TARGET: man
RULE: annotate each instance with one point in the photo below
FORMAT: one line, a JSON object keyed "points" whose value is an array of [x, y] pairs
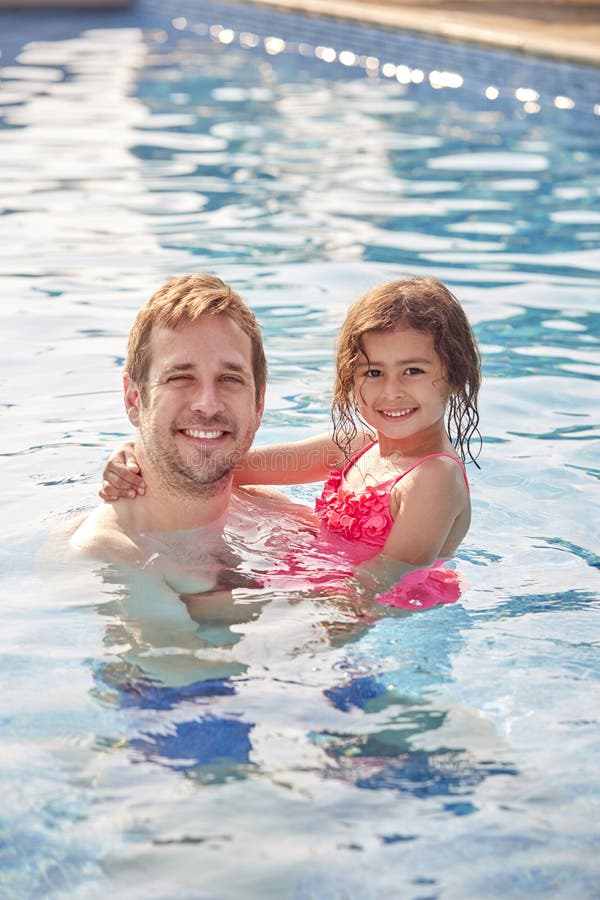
{"points": [[194, 389]]}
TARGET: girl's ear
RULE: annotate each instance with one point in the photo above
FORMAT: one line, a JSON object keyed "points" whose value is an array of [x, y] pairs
{"points": [[450, 386], [133, 400]]}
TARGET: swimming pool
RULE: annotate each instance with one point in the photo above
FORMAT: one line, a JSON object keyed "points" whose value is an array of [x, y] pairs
{"points": [[289, 753]]}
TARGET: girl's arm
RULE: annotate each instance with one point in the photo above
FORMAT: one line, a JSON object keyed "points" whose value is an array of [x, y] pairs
{"points": [[122, 476], [294, 463], [297, 462], [432, 516]]}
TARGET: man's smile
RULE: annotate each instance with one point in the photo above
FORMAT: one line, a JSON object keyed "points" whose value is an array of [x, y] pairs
{"points": [[202, 435]]}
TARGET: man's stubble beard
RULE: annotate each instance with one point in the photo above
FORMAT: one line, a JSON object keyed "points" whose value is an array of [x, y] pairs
{"points": [[199, 473]]}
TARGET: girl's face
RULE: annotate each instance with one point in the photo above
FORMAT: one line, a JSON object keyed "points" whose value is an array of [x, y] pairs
{"points": [[400, 384]]}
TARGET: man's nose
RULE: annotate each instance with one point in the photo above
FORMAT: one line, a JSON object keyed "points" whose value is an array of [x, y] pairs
{"points": [[207, 399]]}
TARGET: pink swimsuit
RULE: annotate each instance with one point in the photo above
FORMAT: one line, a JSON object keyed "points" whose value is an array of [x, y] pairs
{"points": [[364, 518]]}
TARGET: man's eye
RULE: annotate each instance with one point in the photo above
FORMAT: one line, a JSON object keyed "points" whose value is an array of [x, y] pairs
{"points": [[175, 378], [235, 379]]}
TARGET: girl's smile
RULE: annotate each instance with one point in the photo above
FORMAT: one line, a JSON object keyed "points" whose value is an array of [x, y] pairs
{"points": [[397, 413]]}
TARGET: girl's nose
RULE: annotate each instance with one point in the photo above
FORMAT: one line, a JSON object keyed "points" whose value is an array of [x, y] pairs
{"points": [[394, 389]]}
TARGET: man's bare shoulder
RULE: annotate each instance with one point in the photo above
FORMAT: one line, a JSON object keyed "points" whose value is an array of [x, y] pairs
{"points": [[100, 536]]}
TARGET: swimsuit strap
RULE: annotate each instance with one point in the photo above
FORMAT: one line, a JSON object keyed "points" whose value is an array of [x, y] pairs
{"points": [[354, 459]]}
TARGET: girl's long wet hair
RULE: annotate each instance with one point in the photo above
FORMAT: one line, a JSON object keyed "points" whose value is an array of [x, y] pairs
{"points": [[426, 305]]}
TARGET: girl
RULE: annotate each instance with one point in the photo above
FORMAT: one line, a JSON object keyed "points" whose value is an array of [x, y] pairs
{"points": [[404, 414]]}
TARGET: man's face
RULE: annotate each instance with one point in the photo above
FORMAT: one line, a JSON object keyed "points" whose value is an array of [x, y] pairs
{"points": [[199, 414]]}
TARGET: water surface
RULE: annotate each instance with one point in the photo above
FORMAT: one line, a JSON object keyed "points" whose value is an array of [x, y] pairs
{"points": [[288, 750]]}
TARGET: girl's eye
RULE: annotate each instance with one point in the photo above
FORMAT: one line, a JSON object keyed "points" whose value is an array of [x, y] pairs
{"points": [[413, 370], [373, 373]]}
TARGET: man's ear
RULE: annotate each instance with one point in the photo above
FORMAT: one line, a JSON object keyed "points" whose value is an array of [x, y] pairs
{"points": [[260, 406], [133, 400]]}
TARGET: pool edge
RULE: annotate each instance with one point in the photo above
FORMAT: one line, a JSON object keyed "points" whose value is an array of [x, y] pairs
{"points": [[578, 43]]}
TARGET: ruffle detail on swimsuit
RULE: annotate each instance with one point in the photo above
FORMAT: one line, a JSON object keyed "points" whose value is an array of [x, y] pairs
{"points": [[361, 517], [424, 588]]}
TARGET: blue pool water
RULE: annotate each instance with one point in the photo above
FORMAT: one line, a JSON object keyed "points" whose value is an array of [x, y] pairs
{"points": [[282, 750]]}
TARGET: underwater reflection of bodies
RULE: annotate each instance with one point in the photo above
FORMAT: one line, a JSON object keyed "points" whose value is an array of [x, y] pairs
{"points": [[192, 630], [296, 688], [415, 736], [195, 696]]}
